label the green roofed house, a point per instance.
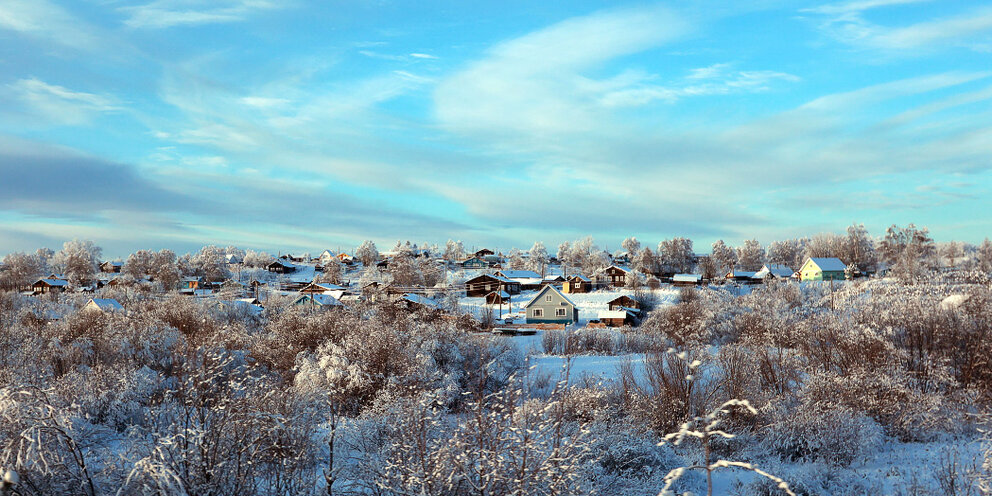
(822, 269)
(549, 306)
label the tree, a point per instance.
(516, 261)
(985, 255)
(404, 270)
(645, 261)
(632, 246)
(454, 251)
(750, 255)
(825, 245)
(164, 269)
(859, 249)
(724, 257)
(257, 259)
(676, 255)
(538, 258)
(332, 271)
(789, 252)
(908, 251)
(367, 252)
(210, 262)
(952, 252)
(79, 260)
(20, 269)
(138, 264)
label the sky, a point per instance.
(287, 125)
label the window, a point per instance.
(559, 312)
(547, 298)
(539, 312)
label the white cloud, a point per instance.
(422, 56)
(168, 13)
(57, 104)
(43, 20)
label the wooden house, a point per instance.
(613, 276)
(191, 282)
(321, 287)
(740, 276)
(623, 301)
(414, 301)
(232, 259)
(43, 286)
(103, 305)
(774, 271)
(687, 280)
(475, 263)
(487, 283)
(528, 279)
(550, 306)
(281, 266)
(556, 281)
(112, 267)
(498, 298)
(317, 301)
(619, 318)
(822, 269)
(577, 284)
(484, 253)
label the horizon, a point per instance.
(281, 126)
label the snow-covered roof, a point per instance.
(114, 263)
(687, 278)
(317, 299)
(777, 270)
(549, 288)
(421, 300)
(502, 294)
(104, 304)
(54, 282)
(191, 279)
(829, 263)
(520, 274)
(612, 314)
(741, 273)
(579, 277)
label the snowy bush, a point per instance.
(824, 432)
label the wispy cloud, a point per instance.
(168, 13)
(43, 20)
(54, 104)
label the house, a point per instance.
(484, 253)
(321, 287)
(613, 276)
(687, 280)
(191, 282)
(619, 317)
(414, 301)
(103, 305)
(475, 263)
(112, 267)
(281, 266)
(528, 279)
(487, 283)
(822, 269)
(623, 302)
(774, 271)
(741, 276)
(249, 306)
(550, 306)
(577, 284)
(43, 286)
(232, 259)
(317, 300)
(557, 281)
(498, 298)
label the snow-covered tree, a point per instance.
(516, 260)
(138, 264)
(79, 260)
(20, 269)
(538, 260)
(632, 246)
(724, 257)
(332, 271)
(367, 252)
(789, 252)
(210, 262)
(676, 255)
(952, 252)
(257, 259)
(750, 255)
(859, 249)
(826, 245)
(454, 251)
(164, 269)
(985, 255)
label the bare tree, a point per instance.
(538, 261)
(367, 252)
(79, 260)
(20, 270)
(750, 255)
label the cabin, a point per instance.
(740, 276)
(112, 267)
(556, 281)
(484, 253)
(619, 317)
(822, 269)
(623, 302)
(487, 283)
(281, 266)
(475, 263)
(232, 259)
(687, 280)
(614, 276)
(577, 284)
(321, 287)
(527, 279)
(498, 298)
(103, 305)
(43, 286)
(774, 271)
(191, 282)
(414, 301)
(317, 301)
(550, 306)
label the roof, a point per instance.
(502, 294)
(549, 288)
(498, 278)
(777, 270)
(421, 300)
(54, 282)
(687, 278)
(115, 263)
(615, 314)
(579, 277)
(741, 273)
(318, 299)
(521, 274)
(829, 264)
(106, 304)
(191, 278)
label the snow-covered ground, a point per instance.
(589, 304)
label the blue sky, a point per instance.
(288, 125)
